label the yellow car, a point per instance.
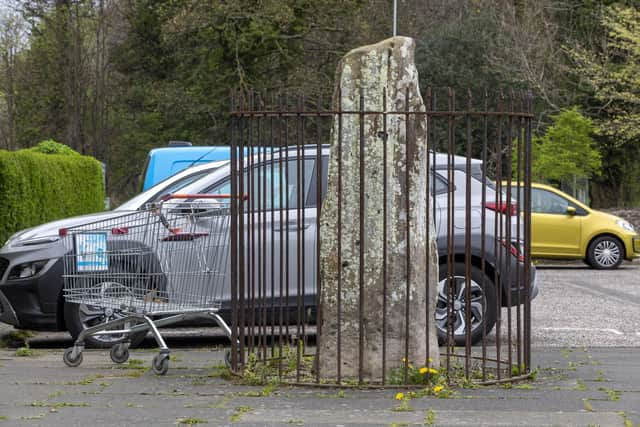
(564, 228)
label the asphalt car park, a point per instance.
(576, 307)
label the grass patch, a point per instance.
(295, 422)
(239, 411)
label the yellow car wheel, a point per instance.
(605, 253)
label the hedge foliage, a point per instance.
(36, 188)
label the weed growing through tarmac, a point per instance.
(32, 417)
(239, 411)
(16, 338)
(3, 418)
(600, 378)
(430, 417)
(613, 395)
(627, 421)
(191, 421)
(580, 385)
(264, 392)
(403, 406)
(86, 380)
(295, 422)
(44, 404)
(25, 351)
(587, 405)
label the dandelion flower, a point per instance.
(399, 396)
(404, 360)
(424, 370)
(432, 371)
(430, 360)
(437, 389)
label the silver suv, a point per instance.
(31, 285)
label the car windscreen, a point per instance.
(157, 191)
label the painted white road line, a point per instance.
(568, 329)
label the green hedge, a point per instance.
(36, 188)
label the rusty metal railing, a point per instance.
(478, 193)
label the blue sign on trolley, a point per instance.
(91, 252)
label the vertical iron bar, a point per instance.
(298, 230)
(428, 219)
(483, 230)
(361, 243)
(527, 236)
(508, 236)
(234, 235)
(450, 227)
(407, 174)
(282, 262)
(467, 241)
(242, 234)
(499, 230)
(319, 170)
(339, 233)
(384, 235)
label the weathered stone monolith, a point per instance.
(371, 71)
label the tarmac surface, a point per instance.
(574, 387)
(586, 347)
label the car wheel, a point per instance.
(79, 317)
(605, 253)
(483, 305)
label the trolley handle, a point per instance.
(172, 196)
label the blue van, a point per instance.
(164, 162)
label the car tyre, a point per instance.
(483, 300)
(76, 322)
(605, 253)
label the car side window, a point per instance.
(438, 184)
(543, 201)
(273, 185)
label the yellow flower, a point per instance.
(404, 360)
(424, 370)
(430, 360)
(437, 389)
(399, 396)
(433, 371)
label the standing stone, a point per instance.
(371, 70)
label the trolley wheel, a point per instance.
(119, 353)
(160, 364)
(69, 360)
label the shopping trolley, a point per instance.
(149, 268)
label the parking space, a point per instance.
(579, 306)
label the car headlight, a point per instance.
(626, 225)
(27, 269)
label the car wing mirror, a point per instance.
(571, 210)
